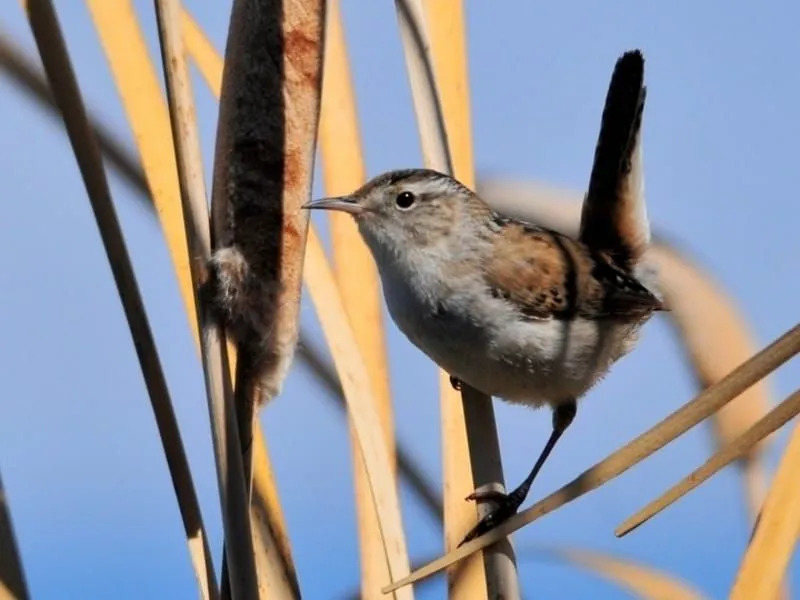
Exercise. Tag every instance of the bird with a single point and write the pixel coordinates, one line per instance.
(513, 309)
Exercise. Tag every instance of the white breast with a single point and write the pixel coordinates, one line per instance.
(482, 341)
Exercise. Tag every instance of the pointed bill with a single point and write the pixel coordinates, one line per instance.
(614, 217)
(341, 203)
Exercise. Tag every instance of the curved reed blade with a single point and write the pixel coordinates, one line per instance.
(679, 422)
(407, 467)
(640, 580)
(775, 537)
(427, 107)
(357, 278)
(470, 448)
(12, 577)
(733, 450)
(65, 90)
(366, 423)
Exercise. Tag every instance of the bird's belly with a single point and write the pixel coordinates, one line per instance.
(528, 362)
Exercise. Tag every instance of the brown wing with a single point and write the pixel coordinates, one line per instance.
(548, 275)
(614, 217)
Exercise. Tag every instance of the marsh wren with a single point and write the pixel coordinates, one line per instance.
(510, 308)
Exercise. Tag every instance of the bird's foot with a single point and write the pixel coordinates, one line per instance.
(506, 506)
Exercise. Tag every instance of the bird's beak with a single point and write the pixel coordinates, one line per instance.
(346, 204)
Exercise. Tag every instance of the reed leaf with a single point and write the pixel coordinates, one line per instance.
(775, 537)
(470, 448)
(733, 450)
(366, 423)
(64, 86)
(357, 278)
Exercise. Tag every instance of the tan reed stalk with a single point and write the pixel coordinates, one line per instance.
(276, 576)
(357, 278)
(741, 445)
(470, 448)
(64, 86)
(468, 421)
(351, 370)
(12, 576)
(679, 422)
(775, 537)
(406, 466)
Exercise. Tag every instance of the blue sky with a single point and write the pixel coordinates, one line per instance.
(88, 487)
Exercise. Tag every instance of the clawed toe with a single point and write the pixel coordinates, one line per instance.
(507, 505)
(487, 496)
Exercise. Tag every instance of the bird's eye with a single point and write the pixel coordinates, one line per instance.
(404, 200)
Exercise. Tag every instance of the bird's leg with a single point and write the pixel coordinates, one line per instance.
(508, 504)
(456, 383)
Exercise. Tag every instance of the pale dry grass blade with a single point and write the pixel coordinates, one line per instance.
(139, 89)
(134, 73)
(407, 467)
(12, 577)
(471, 456)
(419, 66)
(642, 581)
(240, 554)
(65, 90)
(733, 450)
(355, 380)
(775, 537)
(357, 278)
(679, 422)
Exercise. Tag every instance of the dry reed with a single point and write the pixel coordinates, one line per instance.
(776, 532)
(733, 450)
(470, 449)
(52, 49)
(356, 276)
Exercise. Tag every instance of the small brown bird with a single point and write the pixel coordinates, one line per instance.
(510, 308)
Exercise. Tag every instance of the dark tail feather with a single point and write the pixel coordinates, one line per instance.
(605, 223)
